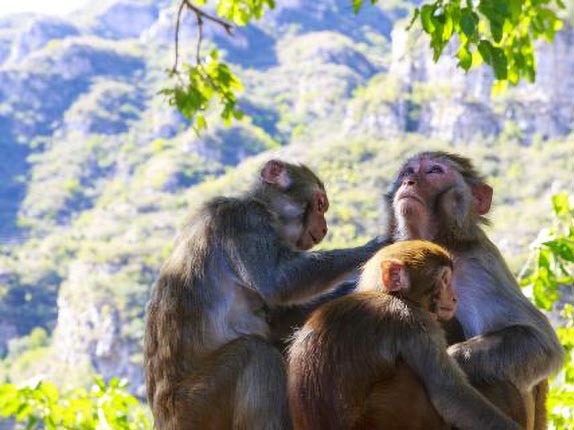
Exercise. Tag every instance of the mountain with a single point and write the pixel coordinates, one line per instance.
(97, 172)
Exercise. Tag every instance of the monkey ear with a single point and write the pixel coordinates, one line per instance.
(275, 173)
(394, 275)
(482, 194)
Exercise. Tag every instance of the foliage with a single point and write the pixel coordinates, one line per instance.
(553, 277)
(43, 406)
(499, 33)
(202, 83)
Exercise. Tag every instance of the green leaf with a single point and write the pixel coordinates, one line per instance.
(100, 383)
(200, 122)
(464, 57)
(496, 28)
(437, 45)
(495, 57)
(561, 204)
(544, 260)
(485, 49)
(515, 9)
(496, 13)
(357, 6)
(447, 29)
(562, 248)
(500, 63)
(469, 23)
(427, 12)
(50, 391)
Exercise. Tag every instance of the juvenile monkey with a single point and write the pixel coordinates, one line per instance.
(509, 347)
(208, 359)
(355, 362)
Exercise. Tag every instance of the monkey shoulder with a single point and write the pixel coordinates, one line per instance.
(482, 274)
(369, 331)
(371, 314)
(230, 216)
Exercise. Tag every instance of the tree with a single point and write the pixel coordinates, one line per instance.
(500, 33)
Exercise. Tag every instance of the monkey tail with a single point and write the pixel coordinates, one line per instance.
(540, 392)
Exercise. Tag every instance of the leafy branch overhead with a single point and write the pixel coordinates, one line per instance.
(500, 33)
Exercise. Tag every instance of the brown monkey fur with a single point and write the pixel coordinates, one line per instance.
(509, 348)
(208, 360)
(359, 361)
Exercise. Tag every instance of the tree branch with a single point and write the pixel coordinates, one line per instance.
(200, 15)
(174, 68)
(199, 38)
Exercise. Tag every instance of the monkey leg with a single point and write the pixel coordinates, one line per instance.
(261, 394)
(242, 386)
(260, 397)
(400, 403)
(518, 406)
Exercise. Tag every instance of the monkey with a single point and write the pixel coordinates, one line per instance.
(509, 348)
(350, 365)
(208, 359)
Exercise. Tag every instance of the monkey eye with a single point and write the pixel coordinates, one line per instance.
(435, 169)
(407, 172)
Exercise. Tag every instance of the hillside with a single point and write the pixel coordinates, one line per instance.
(97, 173)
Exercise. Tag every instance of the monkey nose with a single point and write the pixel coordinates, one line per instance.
(409, 182)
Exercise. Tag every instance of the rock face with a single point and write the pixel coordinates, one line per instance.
(125, 19)
(462, 110)
(7, 332)
(89, 328)
(37, 33)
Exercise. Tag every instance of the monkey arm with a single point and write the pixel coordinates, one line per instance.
(284, 276)
(509, 339)
(521, 354)
(424, 350)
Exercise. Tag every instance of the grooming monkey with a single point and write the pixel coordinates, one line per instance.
(208, 359)
(358, 362)
(510, 347)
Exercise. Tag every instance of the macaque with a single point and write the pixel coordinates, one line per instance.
(509, 348)
(208, 359)
(358, 361)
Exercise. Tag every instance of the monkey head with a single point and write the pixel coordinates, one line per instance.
(298, 199)
(417, 271)
(438, 192)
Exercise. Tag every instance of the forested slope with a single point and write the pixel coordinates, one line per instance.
(97, 172)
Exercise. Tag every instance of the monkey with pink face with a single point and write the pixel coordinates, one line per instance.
(508, 349)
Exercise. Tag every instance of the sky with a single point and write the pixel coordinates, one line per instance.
(52, 7)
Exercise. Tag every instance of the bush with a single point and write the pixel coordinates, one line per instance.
(551, 279)
(42, 407)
